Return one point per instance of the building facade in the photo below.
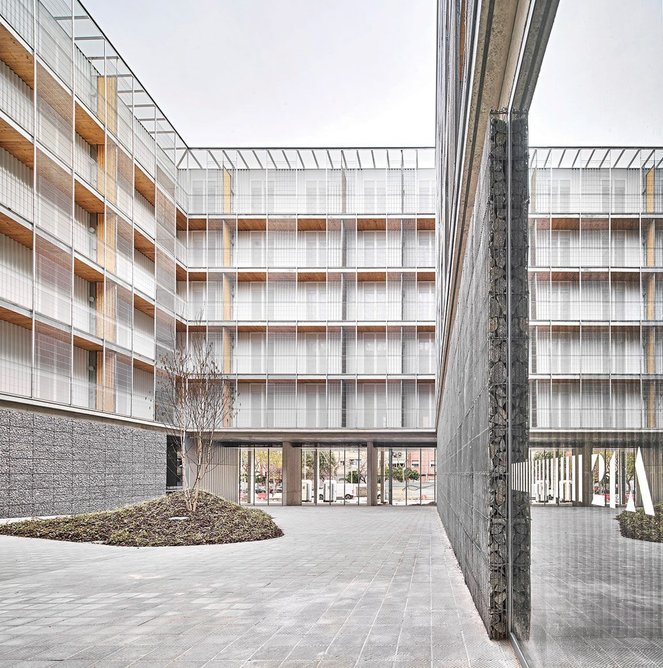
(596, 405)
(548, 412)
(596, 250)
(310, 271)
(321, 278)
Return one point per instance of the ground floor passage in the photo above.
(382, 590)
(340, 475)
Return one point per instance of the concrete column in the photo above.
(251, 477)
(371, 474)
(292, 475)
(316, 475)
(586, 476)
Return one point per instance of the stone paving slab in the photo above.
(344, 587)
(608, 611)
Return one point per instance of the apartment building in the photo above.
(310, 270)
(595, 401)
(596, 313)
(596, 249)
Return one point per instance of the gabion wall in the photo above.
(52, 464)
(475, 414)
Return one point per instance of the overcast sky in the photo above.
(362, 72)
(283, 72)
(601, 82)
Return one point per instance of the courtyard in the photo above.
(343, 587)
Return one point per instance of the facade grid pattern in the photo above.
(311, 271)
(596, 298)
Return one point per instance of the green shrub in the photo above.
(642, 527)
(410, 474)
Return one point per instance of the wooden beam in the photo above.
(366, 224)
(181, 218)
(144, 184)
(307, 328)
(180, 272)
(311, 276)
(87, 344)
(87, 271)
(144, 244)
(628, 276)
(251, 224)
(144, 305)
(16, 56)
(250, 328)
(88, 126)
(573, 223)
(16, 143)
(87, 198)
(425, 223)
(312, 224)
(371, 328)
(15, 318)
(144, 365)
(197, 223)
(621, 223)
(371, 276)
(249, 276)
(20, 232)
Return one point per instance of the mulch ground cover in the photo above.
(159, 522)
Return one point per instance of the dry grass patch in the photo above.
(151, 523)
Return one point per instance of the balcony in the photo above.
(16, 185)
(16, 98)
(143, 215)
(143, 344)
(85, 164)
(85, 317)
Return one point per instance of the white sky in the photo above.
(362, 72)
(601, 82)
(283, 72)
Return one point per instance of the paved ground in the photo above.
(344, 587)
(597, 597)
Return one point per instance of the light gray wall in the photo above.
(53, 464)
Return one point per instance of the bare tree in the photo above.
(195, 399)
